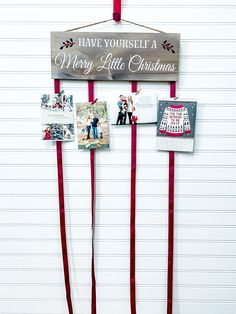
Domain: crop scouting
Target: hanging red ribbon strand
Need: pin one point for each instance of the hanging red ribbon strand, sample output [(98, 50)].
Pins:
[(62, 215), (117, 10), (92, 170), (133, 210), (171, 220)]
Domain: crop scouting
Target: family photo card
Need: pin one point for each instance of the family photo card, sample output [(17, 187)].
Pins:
[(92, 125), (57, 117), (176, 125), (134, 108)]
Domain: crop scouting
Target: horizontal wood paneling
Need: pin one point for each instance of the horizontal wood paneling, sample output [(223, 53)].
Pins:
[(31, 274)]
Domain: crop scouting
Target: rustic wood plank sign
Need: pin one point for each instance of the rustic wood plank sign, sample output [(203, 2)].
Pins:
[(115, 56)]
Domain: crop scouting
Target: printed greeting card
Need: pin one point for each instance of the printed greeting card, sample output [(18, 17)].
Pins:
[(176, 125), (134, 108), (92, 125), (57, 117)]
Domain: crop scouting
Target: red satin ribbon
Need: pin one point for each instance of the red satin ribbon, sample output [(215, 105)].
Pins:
[(62, 215), (134, 87), (117, 10), (133, 210), (171, 220), (91, 91), (92, 169)]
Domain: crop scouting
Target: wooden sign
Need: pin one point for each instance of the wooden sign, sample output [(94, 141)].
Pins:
[(115, 56)]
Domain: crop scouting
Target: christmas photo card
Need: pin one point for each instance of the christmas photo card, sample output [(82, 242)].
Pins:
[(92, 125), (134, 108), (57, 117), (176, 125)]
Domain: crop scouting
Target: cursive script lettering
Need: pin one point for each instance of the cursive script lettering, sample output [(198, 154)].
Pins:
[(110, 63), (137, 63), (67, 61)]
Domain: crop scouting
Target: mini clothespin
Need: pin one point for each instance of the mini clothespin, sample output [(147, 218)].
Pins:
[(95, 100), (61, 92), (138, 91), (174, 98)]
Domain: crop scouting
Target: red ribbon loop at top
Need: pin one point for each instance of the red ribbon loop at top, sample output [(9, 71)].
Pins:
[(171, 220), (117, 10), (62, 215)]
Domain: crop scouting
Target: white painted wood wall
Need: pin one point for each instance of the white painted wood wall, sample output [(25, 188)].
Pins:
[(31, 275)]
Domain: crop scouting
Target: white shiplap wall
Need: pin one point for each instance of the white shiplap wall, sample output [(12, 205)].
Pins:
[(31, 276)]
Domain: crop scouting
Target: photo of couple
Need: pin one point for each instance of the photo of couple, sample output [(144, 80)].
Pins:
[(92, 125)]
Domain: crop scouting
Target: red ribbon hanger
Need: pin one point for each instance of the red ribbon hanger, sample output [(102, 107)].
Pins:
[(171, 220), (117, 18), (92, 170), (62, 215), (133, 210)]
